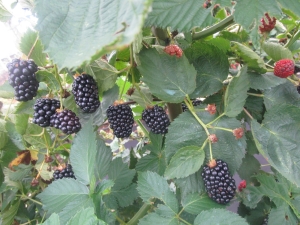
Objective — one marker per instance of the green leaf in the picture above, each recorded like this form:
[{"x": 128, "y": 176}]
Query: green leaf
[
  {"x": 168, "y": 77},
  {"x": 108, "y": 99},
  {"x": 212, "y": 67},
  {"x": 236, "y": 93},
  {"x": 103, "y": 158},
  {"x": 73, "y": 32},
  {"x": 21, "y": 172},
  {"x": 143, "y": 97},
  {"x": 6, "y": 90},
  {"x": 220, "y": 217},
  {"x": 249, "y": 167},
  {"x": 254, "y": 11},
  {"x": 276, "y": 51},
  {"x": 8, "y": 215},
  {"x": 59, "y": 193},
  {"x": 14, "y": 136},
  {"x": 282, "y": 215},
  {"x": 25, "y": 107},
  {"x": 53, "y": 219},
  {"x": 83, "y": 153},
  {"x": 49, "y": 79},
  {"x": 255, "y": 106},
  {"x": 3, "y": 139},
  {"x": 293, "y": 5},
  {"x": 185, "y": 162},
  {"x": 276, "y": 138},
  {"x": 285, "y": 93},
  {"x": 180, "y": 15},
  {"x": 196, "y": 203},
  {"x": 85, "y": 217},
  {"x": 151, "y": 185},
  {"x": 37, "y": 136},
  {"x": 105, "y": 74},
  {"x": 44, "y": 171},
  {"x": 29, "y": 41},
  {"x": 21, "y": 123},
  {"x": 162, "y": 215},
  {"x": 264, "y": 81},
  {"x": 254, "y": 61},
  {"x": 5, "y": 15}
]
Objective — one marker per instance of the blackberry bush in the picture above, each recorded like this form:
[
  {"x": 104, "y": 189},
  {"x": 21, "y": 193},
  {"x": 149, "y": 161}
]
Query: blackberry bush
[
  {"x": 67, "y": 172},
  {"x": 121, "y": 120},
  {"x": 66, "y": 121},
  {"x": 85, "y": 91},
  {"x": 43, "y": 110},
  {"x": 219, "y": 184},
  {"x": 22, "y": 78},
  {"x": 156, "y": 119}
]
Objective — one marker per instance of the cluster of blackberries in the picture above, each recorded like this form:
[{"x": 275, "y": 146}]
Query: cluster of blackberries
[
  {"x": 43, "y": 110},
  {"x": 219, "y": 184},
  {"x": 194, "y": 102},
  {"x": 85, "y": 91},
  {"x": 66, "y": 121},
  {"x": 156, "y": 119},
  {"x": 66, "y": 172},
  {"x": 121, "y": 120},
  {"x": 22, "y": 79}
]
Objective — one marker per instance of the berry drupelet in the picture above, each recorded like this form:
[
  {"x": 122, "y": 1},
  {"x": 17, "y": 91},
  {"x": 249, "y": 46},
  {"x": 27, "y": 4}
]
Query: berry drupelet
[
  {"x": 67, "y": 172},
  {"x": 156, "y": 119},
  {"x": 22, "y": 78},
  {"x": 43, "y": 110},
  {"x": 219, "y": 184},
  {"x": 85, "y": 91}
]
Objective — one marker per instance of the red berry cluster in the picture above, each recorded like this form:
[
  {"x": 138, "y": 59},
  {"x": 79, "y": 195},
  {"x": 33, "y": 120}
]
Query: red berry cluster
[
  {"x": 173, "y": 50},
  {"x": 267, "y": 27}
]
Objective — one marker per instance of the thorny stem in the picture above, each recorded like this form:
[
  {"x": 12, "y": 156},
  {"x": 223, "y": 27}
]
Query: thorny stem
[
  {"x": 248, "y": 114},
  {"x": 214, "y": 29},
  {"x": 33, "y": 46}
]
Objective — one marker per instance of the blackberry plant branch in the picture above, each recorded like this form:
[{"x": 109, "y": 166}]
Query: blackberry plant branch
[
  {"x": 248, "y": 114},
  {"x": 214, "y": 29},
  {"x": 140, "y": 214}
]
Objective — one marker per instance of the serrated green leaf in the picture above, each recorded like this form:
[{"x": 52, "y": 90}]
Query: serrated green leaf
[
  {"x": 60, "y": 192},
  {"x": 8, "y": 215},
  {"x": 103, "y": 158},
  {"x": 151, "y": 185},
  {"x": 282, "y": 215},
  {"x": 254, "y": 61},
  {"x": 293, "y": 5},
  {"x": 185, "y": 162},
  {"x": 29, "y": 41},
  {"x": 276, "y": 138},
  {"x": 285, "y": 93},
  {"x": 108, "y": 98},
  {"x": 162, "y": 215},
  {"x": 53, "y": 219},
  {"x": 180, "y": 15},
  {"x": 88, "y": 28},
  {"x": 212, "y": 67},
  {"x": 143, "y": 97},
  {"x": 21, "y": 123},
  {"x": 49, "y": 79},
  {"x": 220, "y": 217},
  {"x": 168, "y": 77},
  {"x": 255, "y": 106},
  {"x": 14, "y": 136},
  {"x": 83, "y": 153},
  {"x": 196, "y": 203},
  {"x": 85, "y": 217},
  {"x": 264, "y": 81},
  {"x": 276, "y": 51},
  {"x": 70, "y": 104},
  {"x": 105, "y": 74},
  {"x": 37, "y": 136},
  {"x": 43, "y": 170},
  {"x": 3, "y": 139},
  {"x": 21, "y": 172},
  {"x": 6, "y": 90},
  {"x": 249, "y": 167},
  {"x": 220, "y": 43},
  {"x": 236, "y": 93},
  {"x": 25, "y": 107}
]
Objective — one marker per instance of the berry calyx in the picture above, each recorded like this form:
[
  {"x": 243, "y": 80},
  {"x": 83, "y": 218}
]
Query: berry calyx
[
  {"x": 66, "y": 172},
  {"x": 173, "y": 50},
  {"x": 267, "y": 26},
  {"x": 211, "y": 108},
  {"x": 156, "y": 119},
  {"x": 120, "y": 118},
  {"x": 213, "y": 138},
  {"x": 284, "y": 68},
  {"x": 238, "y": 133},
  {"x": 66, "y": 121},
  {"x": 43, "y": 110},
  {"x": 242, "y": 185},
  {"x": 219, "y": 184}
]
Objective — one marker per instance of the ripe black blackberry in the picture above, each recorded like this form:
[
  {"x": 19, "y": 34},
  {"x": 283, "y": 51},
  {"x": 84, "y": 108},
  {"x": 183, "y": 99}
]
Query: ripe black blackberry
[
  {"x": 66, "y": 172},
  {"x": 85, "y": 91},
  {"x": 66, "y": 121},
  {"x": 22, "y": 79},
  {"x": 121, "y": 120},
  {"x": 219, "y": 184},
  {"x": 43, "y": 110},
  {"x": 156, "y": 119},
  {"x": 194, "y": 102}
]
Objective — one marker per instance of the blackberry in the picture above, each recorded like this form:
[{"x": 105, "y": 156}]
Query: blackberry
[
  {"x": 66, "y": 121},
  {"x": 66, "y": 172},
  {"x": 298, "y": 89},
  {"x": 219, "y": 185},
  {"x": 296, "y": 69},
  {"x": 121, "y": 120},
  {"x": 85, "y": 91},
  {"x": 43, "y": 110},
  {"x": 22, "y": 79},
  {"x": 156, "y": 119},
  {"x": 194, "y": 102}
]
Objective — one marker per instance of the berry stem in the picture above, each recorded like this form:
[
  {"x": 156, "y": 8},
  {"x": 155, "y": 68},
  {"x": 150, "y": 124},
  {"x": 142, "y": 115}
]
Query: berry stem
[
  {"x": 146, "y": 132},
  {"x": 248, "y": 114},
  {"x": 220, "y": 128},
  {"x": 60, "y": 86},
  {"x": 26, "y": 197},
  {"x": 211, "y": 122},
  {"x": 214, "y": 29},
  {"x": 257, "y": 95},
  {"x": 33, "y": 46},
  {"x": 294, "y": 38},
  {"x": 140, "y": 214},
  {"x": 294, "y": 82},
  {"x": 120, "y": 220},
  {"x": 40, "y": 169},
  {"x": 123, "y": 88}
]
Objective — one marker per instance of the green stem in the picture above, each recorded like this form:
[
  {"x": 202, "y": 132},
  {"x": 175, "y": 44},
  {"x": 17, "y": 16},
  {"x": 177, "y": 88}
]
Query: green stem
[
  {"x": 60, "y": 86},
  {"x": 146, "y": 132},
  {"x": 33, "y": 46},
  {"x": 123, "y": 88},
  {"x": 186, "y": 222},
  {"x": 35, "y": 201},
  {"x": 140, "y": 214},
  {"x": 211, "y": 122},
  {"x": 248, "y": 114},
  {"x": 120, "y": 220},
  {"x": 294, "y": 38},
  {"x": 214, "y": 29},
  {"x": 221, "y": 128},
  {"x": 257, "y": 95}
]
